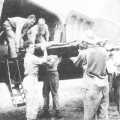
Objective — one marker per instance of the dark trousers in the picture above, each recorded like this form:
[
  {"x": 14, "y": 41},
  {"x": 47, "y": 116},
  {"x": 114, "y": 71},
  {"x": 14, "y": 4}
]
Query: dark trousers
[
  {"x": 10, "y": 34},
  {"x": 117, "y": 91},
  {"x": 51, "y": 84}
]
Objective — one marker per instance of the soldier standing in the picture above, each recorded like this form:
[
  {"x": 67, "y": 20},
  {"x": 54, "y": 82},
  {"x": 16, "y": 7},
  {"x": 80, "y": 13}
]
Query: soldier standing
[
  {"x": 51, "y": 84},
  {"x": 96, "y": 93},
  {"x": 31, "y": 65}
]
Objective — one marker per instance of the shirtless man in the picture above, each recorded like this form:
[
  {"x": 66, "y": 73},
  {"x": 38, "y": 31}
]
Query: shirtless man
[
  {"x": 35, "y": 34},
  {"x": 51, "y": 84}
]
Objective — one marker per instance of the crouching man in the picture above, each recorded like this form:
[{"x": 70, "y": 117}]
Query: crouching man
[{"x": 31, "y": 64}]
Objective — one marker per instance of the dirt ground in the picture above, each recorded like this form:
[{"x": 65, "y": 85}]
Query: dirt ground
[{"x": 70, "y": 98}]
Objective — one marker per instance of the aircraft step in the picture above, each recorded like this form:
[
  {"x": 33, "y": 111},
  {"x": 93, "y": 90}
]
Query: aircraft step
[{"x": 15, "y": 84}]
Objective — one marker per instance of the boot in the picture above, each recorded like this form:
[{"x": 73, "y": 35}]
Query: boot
[
  {"x": 45, "y": 113},
  {"x": 57, "y": 114}
]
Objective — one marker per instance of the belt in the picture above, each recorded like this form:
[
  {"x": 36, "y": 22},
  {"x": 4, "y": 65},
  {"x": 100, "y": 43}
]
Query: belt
[{"x": 35, "y": 75}]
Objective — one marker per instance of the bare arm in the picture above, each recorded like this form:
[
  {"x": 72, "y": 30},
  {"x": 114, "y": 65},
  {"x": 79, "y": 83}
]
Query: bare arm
[
  {"x": 46, "y": 33},
  {"x": 45, "y": 54},
  {"x": 40, "y": 45},
  {"x": 52, "y": 43},
  {"x": 80, "y": 59}
]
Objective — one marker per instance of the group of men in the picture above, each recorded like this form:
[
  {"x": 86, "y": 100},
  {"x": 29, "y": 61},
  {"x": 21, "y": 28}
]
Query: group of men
[
  {"x": 51, "y": 81},
  {"x": 15, "y": 28},
  {"x": 113, "y": 70},
  {"x": 94, "y": 58}
]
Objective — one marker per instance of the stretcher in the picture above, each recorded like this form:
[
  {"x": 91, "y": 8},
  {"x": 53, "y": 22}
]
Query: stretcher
[
  {"x": 64, "y": 50},
  {"x": 15, "y": 84}
]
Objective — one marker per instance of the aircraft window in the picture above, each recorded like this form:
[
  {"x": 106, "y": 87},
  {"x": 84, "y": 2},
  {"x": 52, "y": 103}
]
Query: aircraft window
[
  {"x": 87, "y": 25},
  {"x": 81, "y": 20},
  {"x": 72, "y": 19}
]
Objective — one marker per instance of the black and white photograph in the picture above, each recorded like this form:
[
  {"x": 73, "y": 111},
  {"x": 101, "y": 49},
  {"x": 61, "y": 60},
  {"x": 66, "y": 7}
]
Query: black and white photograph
[{"x": 59, "y": 59}]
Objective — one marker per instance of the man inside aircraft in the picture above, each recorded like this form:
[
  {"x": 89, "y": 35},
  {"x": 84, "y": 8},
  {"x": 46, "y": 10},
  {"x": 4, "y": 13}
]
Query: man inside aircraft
[
  {"x": 39, "y": 33},
  {"x": 15, "y": 28}
]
